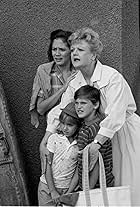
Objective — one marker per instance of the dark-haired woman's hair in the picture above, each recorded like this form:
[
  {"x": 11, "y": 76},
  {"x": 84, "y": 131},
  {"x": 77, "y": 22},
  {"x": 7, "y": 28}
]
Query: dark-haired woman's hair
[
  {"x": 88, "y": 92},
  {"x": 65, "y": 118},
  {"x": 59, "y": 33}
]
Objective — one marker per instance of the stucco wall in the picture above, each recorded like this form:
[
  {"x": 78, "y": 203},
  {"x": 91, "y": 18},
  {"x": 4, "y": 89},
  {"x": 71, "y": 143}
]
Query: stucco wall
[{"x": 25, "y": 26}]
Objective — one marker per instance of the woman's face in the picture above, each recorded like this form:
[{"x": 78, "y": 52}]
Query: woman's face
[
  {"x": 60, "y": 52},
  {"x": 81, "y": 54}
]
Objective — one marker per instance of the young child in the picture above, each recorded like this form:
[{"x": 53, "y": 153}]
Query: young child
[
  {"x": 87, "y": 103},
  {"x": 64, "y": 154}
]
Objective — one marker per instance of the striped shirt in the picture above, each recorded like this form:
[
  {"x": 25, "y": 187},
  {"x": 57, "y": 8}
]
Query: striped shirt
[{"x": 86, "y": 135}]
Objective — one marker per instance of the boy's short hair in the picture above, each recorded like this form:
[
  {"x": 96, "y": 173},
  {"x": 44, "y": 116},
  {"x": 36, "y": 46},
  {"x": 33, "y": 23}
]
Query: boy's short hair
[{"x": 88, "y": 92}]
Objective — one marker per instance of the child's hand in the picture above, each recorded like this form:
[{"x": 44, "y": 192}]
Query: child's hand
[{"x": 55, "y": 197}]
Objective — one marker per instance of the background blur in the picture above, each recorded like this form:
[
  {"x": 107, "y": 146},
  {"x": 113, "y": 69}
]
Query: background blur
[{"x": 25, "y": 26}]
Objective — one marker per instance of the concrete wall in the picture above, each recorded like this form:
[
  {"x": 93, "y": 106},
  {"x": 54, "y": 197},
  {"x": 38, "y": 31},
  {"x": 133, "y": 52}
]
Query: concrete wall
[{"x": 25, "y": 26}]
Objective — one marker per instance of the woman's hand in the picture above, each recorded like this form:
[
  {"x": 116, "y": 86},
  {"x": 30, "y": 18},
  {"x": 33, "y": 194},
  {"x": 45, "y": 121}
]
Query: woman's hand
[
  {"x": 69, "y": 79},
  {"x": 93, "y": 148}
]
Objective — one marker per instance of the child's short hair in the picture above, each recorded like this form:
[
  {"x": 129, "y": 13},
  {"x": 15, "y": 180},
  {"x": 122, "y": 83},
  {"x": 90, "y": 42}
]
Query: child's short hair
[{"x": 88, "y": 92}]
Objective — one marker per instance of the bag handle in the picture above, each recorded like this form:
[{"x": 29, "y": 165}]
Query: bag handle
[{"x": 102, "y": 178}]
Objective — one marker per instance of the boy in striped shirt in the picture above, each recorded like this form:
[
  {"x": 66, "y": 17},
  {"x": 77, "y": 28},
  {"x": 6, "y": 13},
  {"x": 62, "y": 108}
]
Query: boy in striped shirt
[{"x": 87, "y": 104}]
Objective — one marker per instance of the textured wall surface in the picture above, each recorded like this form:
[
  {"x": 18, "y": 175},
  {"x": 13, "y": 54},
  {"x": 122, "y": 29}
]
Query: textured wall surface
[{"x": 25, "y": 26}]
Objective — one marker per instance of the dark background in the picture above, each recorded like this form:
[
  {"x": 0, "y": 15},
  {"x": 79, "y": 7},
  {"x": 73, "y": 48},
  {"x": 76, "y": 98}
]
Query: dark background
[{"x": 25, "y": 26}]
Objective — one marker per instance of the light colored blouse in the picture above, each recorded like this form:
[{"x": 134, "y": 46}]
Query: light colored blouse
[
  {"x": 117, "y": 101},
  {"x": 121, "y": 123}
]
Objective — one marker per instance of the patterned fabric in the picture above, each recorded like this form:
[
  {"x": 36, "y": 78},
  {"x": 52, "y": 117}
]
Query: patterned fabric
[
  {"x": 48, "y": 80},
  {"x": 57, "y": 80},
  {"x": 87, "y": 134}
]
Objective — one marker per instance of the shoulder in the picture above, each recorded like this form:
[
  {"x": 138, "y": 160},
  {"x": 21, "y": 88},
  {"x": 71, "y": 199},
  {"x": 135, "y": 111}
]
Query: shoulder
[
  {"x": 78, "y": 81},
  {"x": 46, "y": 67},
  {"x": 94, "y": 128},
  {"x": 53, "y": 137},
  {"x": 107, "y": 73}
]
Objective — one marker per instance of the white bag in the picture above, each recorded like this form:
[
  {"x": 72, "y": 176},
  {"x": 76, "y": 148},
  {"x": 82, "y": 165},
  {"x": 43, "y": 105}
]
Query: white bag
[{"x": 111, "y": 196}]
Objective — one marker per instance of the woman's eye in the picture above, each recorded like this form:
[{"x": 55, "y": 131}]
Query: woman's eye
[
  {"x": 80, "y": 49},
  {"x": 72, "y": 50},
  {"x": 62, "y": 49}
]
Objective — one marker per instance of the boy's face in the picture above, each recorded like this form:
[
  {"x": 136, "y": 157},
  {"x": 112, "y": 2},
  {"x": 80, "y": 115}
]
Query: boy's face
[
  {"x": 69, "y": 129},
  {"x": 84, "y": 108}
]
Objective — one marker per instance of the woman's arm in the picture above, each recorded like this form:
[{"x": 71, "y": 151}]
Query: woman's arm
[
  {"x": 47, "y": 104},
  {"x": 44, "y": 106},
  {"x": 119, "y": 104}
]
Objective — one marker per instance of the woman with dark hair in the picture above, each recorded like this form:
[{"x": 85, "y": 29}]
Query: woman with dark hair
[{"x": 52, "y": 78}]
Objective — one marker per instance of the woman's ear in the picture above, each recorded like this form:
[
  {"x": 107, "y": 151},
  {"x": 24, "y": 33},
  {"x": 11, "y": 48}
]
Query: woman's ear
[
  {"x": 96, "y": 105},
  {"x": 93, "y": 57}
]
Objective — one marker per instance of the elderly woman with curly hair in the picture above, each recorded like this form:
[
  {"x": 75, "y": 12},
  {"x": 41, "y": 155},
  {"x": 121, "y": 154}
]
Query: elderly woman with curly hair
[{"x": 121, "y": 123}]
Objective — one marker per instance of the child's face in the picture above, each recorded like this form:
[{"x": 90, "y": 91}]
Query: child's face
[
  {"x": 69, "y": 129},
  {"x": 84, "y": 108}
]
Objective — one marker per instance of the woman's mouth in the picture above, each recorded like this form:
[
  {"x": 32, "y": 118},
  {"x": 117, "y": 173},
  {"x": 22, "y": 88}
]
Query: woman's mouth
[{"x": 58, "y": 59}]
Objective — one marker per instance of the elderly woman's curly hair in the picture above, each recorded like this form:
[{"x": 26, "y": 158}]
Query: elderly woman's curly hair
[{"x": 90, "y": 36}]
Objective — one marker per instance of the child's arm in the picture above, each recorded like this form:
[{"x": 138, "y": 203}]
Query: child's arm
[
  {"x": 74, "y": 181},
  {"x": 49, "y": 178}
]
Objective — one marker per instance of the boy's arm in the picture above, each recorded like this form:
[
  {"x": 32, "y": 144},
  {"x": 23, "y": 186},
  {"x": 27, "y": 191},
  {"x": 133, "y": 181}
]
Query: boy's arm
[
  {"x": 49, "y": 178},
  {"x": 74, "y": 181}
]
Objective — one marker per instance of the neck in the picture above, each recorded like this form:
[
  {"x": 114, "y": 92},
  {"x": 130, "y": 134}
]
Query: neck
[
  {"x": 93, "y": 116},
  {"x": 64, "y": 68},
  {"x": 71, "y": 139},
  {"x": 88, "y": 71}
]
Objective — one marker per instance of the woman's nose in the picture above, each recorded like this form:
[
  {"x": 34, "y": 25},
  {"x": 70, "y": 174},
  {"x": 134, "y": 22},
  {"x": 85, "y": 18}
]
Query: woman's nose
[
  {"x": 75, "y": 52},
  {"x": 57, "y": 52}
]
